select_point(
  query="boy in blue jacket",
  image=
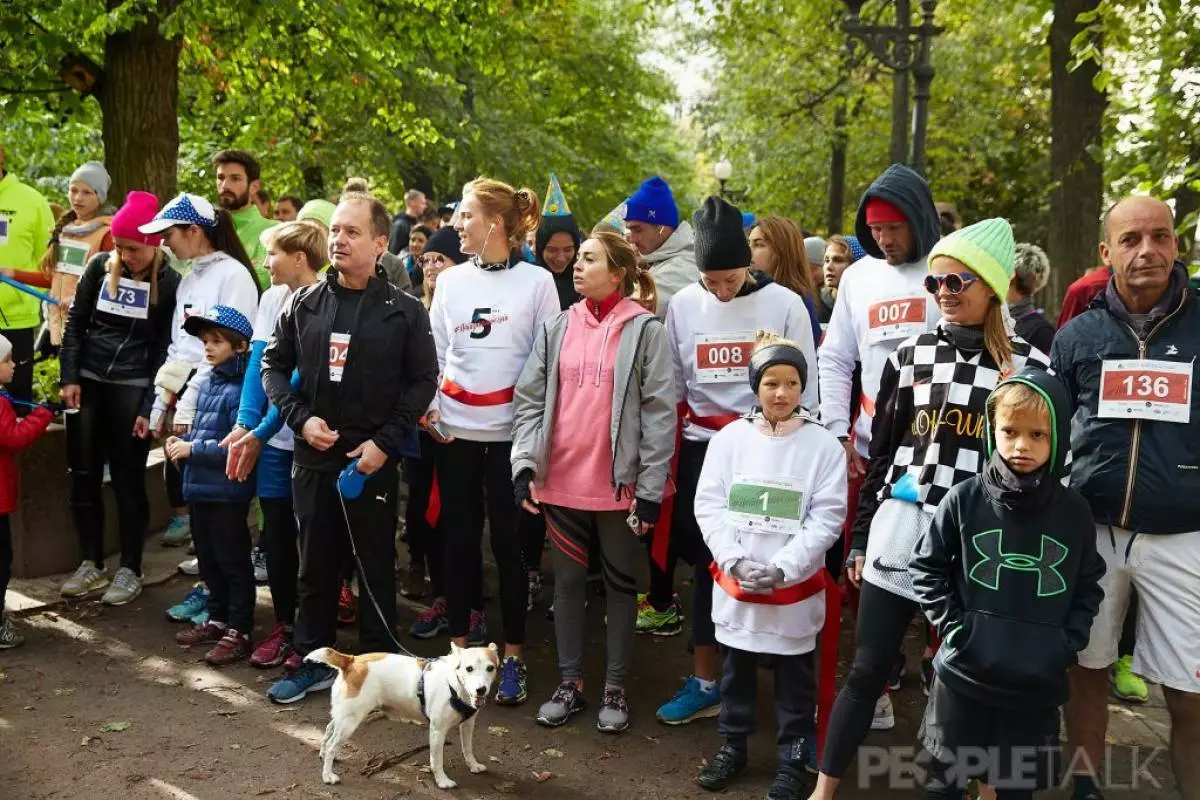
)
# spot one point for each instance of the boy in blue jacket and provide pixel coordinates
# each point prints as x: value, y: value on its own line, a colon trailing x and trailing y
x: 1009, y: 575
x: 219, y: 506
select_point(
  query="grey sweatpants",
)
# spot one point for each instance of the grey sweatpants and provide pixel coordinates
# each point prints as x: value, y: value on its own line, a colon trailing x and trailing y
x: 570, y: 532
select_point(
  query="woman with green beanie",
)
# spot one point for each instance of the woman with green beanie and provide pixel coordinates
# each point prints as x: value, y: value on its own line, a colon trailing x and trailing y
x: 928, y: 436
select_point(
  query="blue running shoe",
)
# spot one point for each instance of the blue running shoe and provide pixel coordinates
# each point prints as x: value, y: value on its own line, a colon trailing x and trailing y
x: 295, y: 685
x: 690, y: 703
x: 432, y: 621
x: 513, y: 682
x: 192, y: 606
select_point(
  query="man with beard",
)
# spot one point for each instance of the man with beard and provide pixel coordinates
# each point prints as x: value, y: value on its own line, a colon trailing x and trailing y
x: 238, y: 183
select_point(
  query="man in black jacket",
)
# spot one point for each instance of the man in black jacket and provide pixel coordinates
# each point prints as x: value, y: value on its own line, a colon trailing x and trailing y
x: 367, y: 369
x: 1129, y: 362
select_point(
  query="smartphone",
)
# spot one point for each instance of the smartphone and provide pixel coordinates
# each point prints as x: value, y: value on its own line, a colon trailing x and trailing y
x: 439, y: 428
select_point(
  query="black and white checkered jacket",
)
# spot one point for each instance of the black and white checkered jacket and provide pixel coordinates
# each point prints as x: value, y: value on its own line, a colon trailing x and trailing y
x: 929, y: 419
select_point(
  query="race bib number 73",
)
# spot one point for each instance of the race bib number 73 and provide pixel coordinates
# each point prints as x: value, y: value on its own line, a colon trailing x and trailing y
x: 1146, y: 389
x: 132, y: 299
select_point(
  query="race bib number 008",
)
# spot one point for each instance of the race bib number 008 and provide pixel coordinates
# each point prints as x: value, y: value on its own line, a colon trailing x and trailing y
x: 339, y: 348
x: 1146, y: 389
x: 723, y: 357
x: 132, y: 299
x: 763, y: 505
x: 898, y: 318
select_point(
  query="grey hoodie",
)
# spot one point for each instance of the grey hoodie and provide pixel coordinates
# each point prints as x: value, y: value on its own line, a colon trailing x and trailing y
x: 673, y: 265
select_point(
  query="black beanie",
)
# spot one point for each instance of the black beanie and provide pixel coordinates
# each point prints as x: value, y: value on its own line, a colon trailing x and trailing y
x: 445, y: 241
x: 720, y: 241
x: 778, y: 353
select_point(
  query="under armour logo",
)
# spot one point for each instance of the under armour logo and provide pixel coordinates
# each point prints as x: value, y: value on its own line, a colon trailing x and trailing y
x: 990, y: 546
x: 1172, y: 350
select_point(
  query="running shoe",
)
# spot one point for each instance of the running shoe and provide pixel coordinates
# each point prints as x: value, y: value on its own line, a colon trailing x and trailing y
x: 690, y: 703
x: 10, y: 637
x: 125, y: 588
x: 614, y: 712
x: 208, y: 633
x: 432, y: 621
x: 477, y: 634
x: 233, y: 647
x: 885, y: 717
x: 193, y: 604
x: 513, y: 682
x: 296, y: 684
x: 1126, y: 685
x: 274, y: 650
x: 178, y: 532
x: 258, y: 559
x: 722, y: 769
x: 566, y: 702
x: 347, y: 606
x: 88, y: 578
x: 658, y: 623
x: 190, y: 566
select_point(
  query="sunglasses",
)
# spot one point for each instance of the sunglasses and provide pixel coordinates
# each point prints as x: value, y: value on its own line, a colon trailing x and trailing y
x: 433, y: 259
x: 955, y: 282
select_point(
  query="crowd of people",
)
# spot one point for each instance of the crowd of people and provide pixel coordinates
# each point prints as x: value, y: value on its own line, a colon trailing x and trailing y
x: 780, y: 411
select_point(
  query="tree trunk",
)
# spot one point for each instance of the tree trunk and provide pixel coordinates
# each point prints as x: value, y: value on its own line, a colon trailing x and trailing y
x: 1077, y: 178
x: 139, y: 98
x: 1187, y: 202
x: 837, y: 172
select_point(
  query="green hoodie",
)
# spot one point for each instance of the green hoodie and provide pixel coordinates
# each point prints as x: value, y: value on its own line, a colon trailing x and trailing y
x: 25, y: 225
x: 250, y: 224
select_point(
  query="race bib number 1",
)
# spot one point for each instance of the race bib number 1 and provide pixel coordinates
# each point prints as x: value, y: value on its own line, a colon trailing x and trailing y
x: 898, y: 318
x: 1146, y: 389
x: 339, y: 348
x: 723, y: 357
x: 763, y: 505
x: 72, y: 256
x: 132, y: 300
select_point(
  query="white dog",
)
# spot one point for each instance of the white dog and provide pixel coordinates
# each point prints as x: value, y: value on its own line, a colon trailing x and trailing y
x: 447, y: 692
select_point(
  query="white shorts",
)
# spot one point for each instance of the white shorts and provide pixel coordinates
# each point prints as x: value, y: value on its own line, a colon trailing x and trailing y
x: 1165, y: 570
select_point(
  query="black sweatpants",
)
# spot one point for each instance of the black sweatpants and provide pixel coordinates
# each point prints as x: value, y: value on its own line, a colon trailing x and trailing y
x: 6, y: 557
x: 883, y: 618
x: 425, y: 546
x: 222, y: 541
x: 102, y: 431
x: 466, y: 469
x: 687, y: 543
x: 280, y: 541
x: 795, y: 700
x: 325, y: 548
x: 173, y: 477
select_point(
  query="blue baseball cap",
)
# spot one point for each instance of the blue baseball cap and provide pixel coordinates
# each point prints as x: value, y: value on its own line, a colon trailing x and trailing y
x: 186, y: 209
x: 226, y: 317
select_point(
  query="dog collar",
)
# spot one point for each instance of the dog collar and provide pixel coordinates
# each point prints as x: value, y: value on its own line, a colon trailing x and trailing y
x: 456, y: 702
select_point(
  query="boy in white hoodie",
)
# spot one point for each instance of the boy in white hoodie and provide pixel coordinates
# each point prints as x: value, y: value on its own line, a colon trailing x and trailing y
x: 771, y: 500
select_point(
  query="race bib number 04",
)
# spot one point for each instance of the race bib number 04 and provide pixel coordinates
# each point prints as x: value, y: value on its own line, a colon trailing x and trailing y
x: 764, y: 505
x: 72, y: 256
x: 1146, y: 389
x: 898, y: 318
x: 723, y: 357
x: 339, y: 348
x: 132, y: 299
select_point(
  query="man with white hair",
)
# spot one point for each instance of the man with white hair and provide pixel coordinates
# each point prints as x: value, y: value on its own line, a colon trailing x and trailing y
x: 1030, y: 273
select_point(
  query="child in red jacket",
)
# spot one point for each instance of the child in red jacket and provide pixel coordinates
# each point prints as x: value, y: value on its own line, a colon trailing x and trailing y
x: 15, y: 436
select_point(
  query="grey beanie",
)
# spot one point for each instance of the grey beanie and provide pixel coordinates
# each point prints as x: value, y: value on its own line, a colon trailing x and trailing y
x: 814, y: 249
x: 96, y: 176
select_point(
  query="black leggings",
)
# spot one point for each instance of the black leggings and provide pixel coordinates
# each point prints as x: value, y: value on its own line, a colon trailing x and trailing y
x: 467, y: 469
x: 883, y: 618
x: 102, y: 431
x: 173, y: 477
x: 6, y: 557
x: 425, y: 547
x: 280, y: 539
x: 21, y: 386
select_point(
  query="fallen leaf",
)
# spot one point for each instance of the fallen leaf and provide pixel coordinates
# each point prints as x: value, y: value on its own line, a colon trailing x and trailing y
x: 235, y: 746
x: 505, y: 787
x: 85, y: 741
x: 542, y: 777
x: 63, y: 692
x: 652, y: 740
x: 493, y: 759
x: 117, y: 727
x: 553, y: 752
x: 497, y: 730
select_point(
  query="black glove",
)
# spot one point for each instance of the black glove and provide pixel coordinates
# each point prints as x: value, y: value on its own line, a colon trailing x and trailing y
x: 648, y: 511
x: 521, y: 486
x: 852, y: 555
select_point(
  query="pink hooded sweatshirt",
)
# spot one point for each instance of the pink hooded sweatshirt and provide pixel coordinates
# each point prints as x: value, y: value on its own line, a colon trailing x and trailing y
x: 579, y: 470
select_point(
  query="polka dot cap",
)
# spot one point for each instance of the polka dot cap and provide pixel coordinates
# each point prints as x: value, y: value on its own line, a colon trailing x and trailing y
x: 220, y: 317
x: 186, y: 209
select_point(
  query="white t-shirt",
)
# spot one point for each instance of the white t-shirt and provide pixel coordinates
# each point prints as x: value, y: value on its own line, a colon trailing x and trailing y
x: 274, y: 300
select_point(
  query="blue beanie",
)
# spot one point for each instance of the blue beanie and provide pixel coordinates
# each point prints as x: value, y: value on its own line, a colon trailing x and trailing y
x: 653, y: 204
x: 856, y: 249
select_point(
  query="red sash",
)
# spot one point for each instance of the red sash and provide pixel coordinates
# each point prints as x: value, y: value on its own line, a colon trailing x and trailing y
x: 779, y: 597
x: 713, y: 423
x: 469, y: 398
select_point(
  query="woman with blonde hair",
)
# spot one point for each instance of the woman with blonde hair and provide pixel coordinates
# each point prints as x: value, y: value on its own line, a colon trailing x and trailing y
x: 485, y: 316
x: 777, y: 248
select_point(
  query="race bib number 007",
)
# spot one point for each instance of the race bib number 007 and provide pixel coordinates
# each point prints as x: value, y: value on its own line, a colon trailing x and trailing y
x: 132, y: 299
x: 764, y: 505
x: 1146, y: 389
x: 898, y: 318
x: 723, y: 357
x: 339, y: 348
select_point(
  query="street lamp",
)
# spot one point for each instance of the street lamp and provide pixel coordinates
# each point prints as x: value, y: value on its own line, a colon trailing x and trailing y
x: 902, y: 48
x: 723, y: 171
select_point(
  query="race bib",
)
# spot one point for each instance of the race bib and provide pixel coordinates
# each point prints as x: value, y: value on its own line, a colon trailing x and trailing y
x: 132, y: 299
x: 1146, y: 389
x: 72, y: 256
x: 490, y: 328
x: 723, y: 357
x: 766, y: 505
x: 3, y: 229
x: 339, y: 348
x: 898, y: 318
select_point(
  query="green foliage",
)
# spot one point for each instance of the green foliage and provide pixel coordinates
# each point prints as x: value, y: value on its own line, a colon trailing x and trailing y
x: 45, y: 381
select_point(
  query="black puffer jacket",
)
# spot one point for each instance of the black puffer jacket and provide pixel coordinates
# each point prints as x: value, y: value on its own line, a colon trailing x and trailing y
x: 113, y: 347
x: 1138, y: 474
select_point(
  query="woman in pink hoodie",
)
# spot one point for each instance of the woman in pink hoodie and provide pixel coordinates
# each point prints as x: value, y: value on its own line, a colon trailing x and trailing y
x: 606, y: 358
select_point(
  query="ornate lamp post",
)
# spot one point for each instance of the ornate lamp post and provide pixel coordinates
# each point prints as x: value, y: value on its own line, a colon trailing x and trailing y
x: 723, y: 171
x: 902, y: 48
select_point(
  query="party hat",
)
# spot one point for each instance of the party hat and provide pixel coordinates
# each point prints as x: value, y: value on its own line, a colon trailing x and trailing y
x: 556, y: 204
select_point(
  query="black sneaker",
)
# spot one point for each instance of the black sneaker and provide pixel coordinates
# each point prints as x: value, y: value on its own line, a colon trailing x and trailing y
x: 722, y: 769
x: 899, y: 670
x: 1085, y: 788
x: 926, y: 675
x: 790, y: 785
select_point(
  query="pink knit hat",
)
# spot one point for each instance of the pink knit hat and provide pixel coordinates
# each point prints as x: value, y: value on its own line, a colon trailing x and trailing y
x: 139, y: 208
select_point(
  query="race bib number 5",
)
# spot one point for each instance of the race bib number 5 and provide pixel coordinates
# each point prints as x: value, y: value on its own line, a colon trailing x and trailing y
x: 723, y: 357
x: 898, y: 318
x: 132, y: 299
x: 1146, y: 389
x: 764, y: 505
x: 339, y: 348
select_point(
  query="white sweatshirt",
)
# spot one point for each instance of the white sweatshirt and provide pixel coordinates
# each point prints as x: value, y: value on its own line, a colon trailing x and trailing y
x: 711, y: 343
x: 747, y: 463
x: 484, y: 324
x: 274, y: 300
x: 878, y: 307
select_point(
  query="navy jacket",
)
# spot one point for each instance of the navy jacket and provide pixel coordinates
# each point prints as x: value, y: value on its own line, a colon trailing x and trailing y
x: 204, y: 478
x: 1137, y: 474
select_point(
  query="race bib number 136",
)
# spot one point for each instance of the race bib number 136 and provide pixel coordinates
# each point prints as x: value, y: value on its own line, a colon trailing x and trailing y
x: 1146, y: 389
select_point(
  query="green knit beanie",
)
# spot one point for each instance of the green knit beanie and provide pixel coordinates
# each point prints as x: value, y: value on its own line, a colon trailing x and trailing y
x: 986, y: 248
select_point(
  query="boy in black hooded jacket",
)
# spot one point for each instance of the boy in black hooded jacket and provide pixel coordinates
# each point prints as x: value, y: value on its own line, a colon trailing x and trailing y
x: 1009, y: 575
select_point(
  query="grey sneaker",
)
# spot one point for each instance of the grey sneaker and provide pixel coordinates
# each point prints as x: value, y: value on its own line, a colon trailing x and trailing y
x: 566, y: 701
x: 178, y: 532
x: 258, y: 559
x: 126, y: 585
x: 10, y: 637
x: 88, y: 578
x: 614, y: 712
